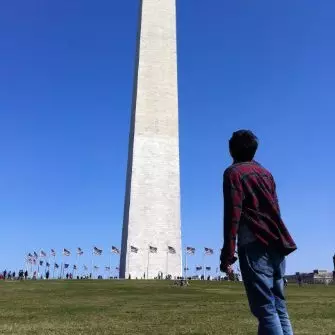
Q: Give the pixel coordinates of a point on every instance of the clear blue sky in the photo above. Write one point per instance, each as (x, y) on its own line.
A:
(66, 72)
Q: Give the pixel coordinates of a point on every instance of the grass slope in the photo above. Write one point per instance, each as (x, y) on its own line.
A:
(147, 307)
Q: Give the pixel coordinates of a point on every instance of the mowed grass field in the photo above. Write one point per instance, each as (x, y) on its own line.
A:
(150, 307)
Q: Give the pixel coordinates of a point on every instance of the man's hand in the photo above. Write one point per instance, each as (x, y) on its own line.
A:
(230, 272)
(226, 266)
(228, 269)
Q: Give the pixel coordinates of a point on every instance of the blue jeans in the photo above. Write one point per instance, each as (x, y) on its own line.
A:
(263, 276)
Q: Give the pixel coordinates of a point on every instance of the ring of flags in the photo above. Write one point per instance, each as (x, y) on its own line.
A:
(133, 249)
(66, 252)
(97, 251)
(38, 258)
(115, 250)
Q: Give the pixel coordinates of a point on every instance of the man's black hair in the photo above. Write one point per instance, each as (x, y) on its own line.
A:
(243, 145)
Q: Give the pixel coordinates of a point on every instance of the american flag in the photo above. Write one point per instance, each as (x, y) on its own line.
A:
(186, 269)
(96, 267)
(56, 266)
(97, 251)
(107, 268)
(171, 250)
(74, 267)
(85, 268)
(43, 254)
(80, 252)
(198, 268)
(115, 250)
(47, 264)
(35, 255)
(209, 251)
(208, 268)
(66, 252)
(117, 268)
(190, 250)
(153, 250)
(133, 249)
(29, 258)
(66, 266)
(53, 253)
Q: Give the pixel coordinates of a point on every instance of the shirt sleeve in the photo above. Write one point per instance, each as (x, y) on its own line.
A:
(233, 199)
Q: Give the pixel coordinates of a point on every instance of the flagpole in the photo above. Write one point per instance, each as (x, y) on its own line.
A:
(148, 262)
(54, 267)
(185, 268)
(110, 265)
(78, 265)
(75, 269)
(92, 269)
(128, 256)
(49, 265)
(204, 266)
(26, 264)
(167, 262)
(63, 270)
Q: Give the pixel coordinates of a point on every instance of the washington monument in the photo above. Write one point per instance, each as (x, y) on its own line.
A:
(151, 236)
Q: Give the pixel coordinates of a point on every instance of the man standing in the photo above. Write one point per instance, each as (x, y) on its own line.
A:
(251, 212)
(299, 280)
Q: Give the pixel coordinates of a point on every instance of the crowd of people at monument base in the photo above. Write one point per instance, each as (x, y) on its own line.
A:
(9, 275)
(181, 281)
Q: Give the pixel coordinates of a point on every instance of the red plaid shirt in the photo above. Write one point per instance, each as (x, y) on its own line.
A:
(250, 196)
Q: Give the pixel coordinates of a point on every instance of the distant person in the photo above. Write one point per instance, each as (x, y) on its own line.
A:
(14, 275)
(285, 282)
(47, 274)
(67, 276)
(299, 280)
(251, 212)
(5, 275)
(26, 275)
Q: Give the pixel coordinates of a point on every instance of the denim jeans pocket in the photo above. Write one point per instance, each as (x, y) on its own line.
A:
(259, 261)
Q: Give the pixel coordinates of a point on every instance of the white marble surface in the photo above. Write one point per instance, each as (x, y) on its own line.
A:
(152, 209)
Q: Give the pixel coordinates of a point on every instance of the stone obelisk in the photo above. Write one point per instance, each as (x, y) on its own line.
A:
(151, 236)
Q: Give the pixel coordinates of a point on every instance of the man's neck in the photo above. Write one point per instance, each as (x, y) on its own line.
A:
(239, 162)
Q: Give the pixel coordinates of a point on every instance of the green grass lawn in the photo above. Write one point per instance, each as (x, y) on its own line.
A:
(148, 307)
